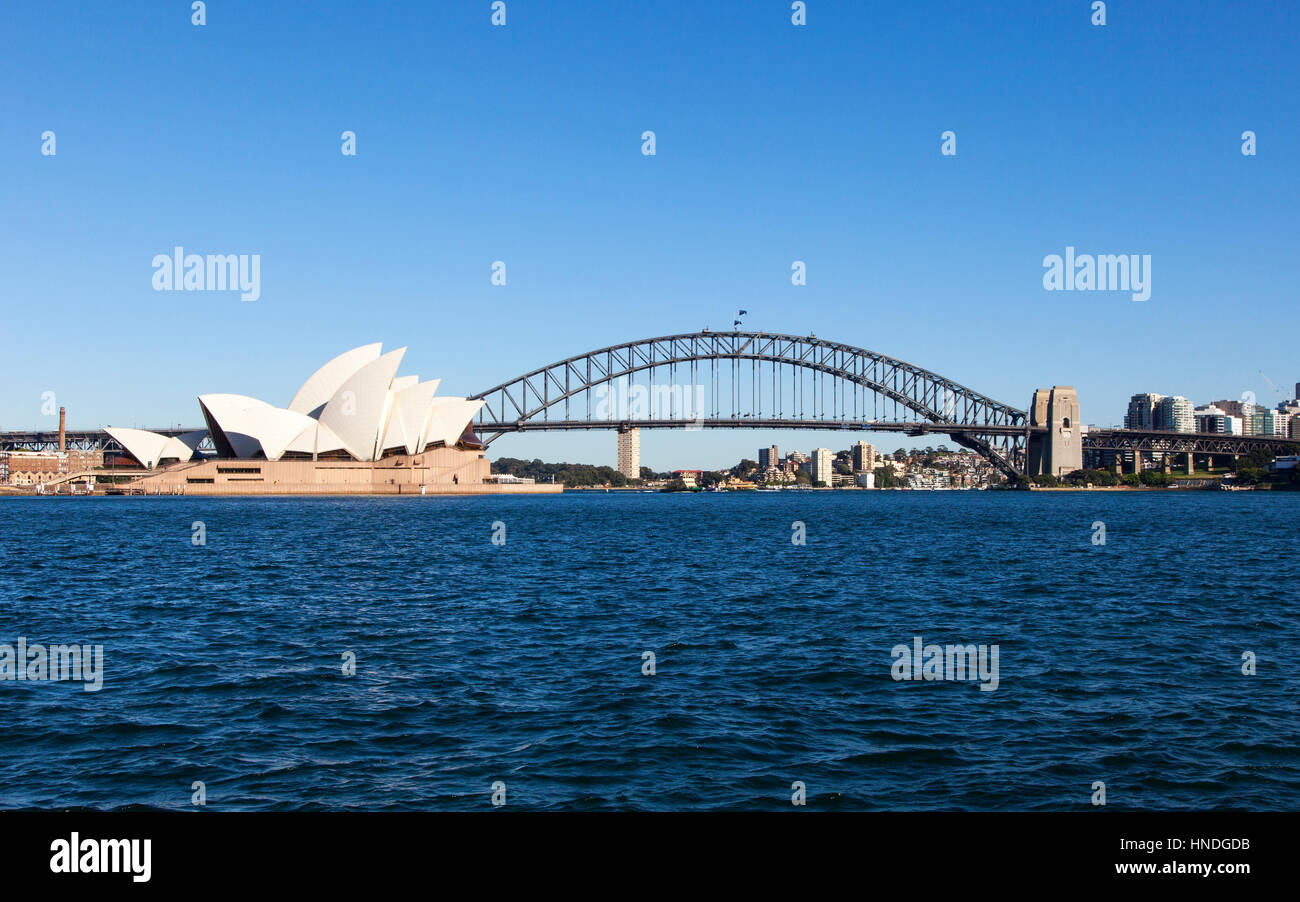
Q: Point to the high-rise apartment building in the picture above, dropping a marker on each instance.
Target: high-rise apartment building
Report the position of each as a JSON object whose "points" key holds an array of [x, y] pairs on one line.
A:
{"points": [[864, 458], [1175, 414], [1273, 422], [1142, 411], [820, 466], [769, 457], [1211, 418], [629, 453]]}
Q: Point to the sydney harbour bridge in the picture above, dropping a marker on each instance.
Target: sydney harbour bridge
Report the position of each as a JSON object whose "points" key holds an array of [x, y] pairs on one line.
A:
{"points": [[761, 380]]}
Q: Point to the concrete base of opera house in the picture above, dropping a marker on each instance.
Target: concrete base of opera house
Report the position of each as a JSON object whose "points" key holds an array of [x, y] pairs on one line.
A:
{"points": [[436, 471]]}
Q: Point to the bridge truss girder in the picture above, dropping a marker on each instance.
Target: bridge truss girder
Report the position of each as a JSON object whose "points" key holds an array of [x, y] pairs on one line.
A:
{"points": [[993, 429]]}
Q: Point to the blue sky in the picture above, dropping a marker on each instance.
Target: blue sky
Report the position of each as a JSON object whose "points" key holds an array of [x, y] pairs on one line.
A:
{"points": [[775, 143]]}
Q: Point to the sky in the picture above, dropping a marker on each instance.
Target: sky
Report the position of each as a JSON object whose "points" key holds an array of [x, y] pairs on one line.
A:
{"points": [[522, 143]]}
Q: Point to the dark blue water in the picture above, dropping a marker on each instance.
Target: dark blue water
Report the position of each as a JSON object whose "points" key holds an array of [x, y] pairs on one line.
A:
{"points": [[522, 663]]}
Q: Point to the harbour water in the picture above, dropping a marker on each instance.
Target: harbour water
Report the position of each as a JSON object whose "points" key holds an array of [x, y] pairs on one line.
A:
{"points": [[521, 660]]}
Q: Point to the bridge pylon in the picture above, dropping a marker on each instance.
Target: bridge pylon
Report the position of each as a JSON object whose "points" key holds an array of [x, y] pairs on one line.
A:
{"points": [[1058, 450]]}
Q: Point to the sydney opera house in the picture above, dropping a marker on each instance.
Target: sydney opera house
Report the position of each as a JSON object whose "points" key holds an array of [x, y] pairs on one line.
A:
{"points": [[354, 427]]}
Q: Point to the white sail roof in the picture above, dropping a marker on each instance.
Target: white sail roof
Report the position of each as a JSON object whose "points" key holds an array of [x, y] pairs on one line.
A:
{"points": [[229, 423], [447, 420], [359, 409], [407, 416], [276, 428], [143, 445], [326, 381], [355, 403], [316, 439]]}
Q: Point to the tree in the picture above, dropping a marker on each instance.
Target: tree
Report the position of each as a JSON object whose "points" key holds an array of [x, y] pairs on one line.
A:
{"points": [[569, 474], [1095, 477]]}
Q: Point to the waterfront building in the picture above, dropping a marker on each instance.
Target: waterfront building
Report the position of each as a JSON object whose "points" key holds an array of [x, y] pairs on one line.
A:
{"points": [[866, 480], [778, 475], [355, 407], [864, 458], [689, 478], [629, 453], [354, 427], [26, 468], [509, 479]]}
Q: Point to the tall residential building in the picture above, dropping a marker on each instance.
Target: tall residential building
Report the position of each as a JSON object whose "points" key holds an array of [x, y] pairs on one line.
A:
{"points": [[1273, 422], [1142, 411], [864, 458], [1252, 419], [1251, 415], [769, 457], [629, 453], [821, 469], [1211, 419], [1175, 414]]}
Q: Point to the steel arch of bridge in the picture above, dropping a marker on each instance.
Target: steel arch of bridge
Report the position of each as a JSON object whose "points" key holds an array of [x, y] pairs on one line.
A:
{"points": [[927, 401]]}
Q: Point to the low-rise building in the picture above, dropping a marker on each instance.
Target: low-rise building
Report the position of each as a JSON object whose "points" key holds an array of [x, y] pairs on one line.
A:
{"points": [[690, 478], [27, 468]]}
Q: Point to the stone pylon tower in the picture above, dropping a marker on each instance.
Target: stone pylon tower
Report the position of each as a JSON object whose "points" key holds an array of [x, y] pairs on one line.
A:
{"points": [[1059, 450]]}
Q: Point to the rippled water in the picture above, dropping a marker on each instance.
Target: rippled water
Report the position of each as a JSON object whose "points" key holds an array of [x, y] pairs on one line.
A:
{"points": [[522, 662]]}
